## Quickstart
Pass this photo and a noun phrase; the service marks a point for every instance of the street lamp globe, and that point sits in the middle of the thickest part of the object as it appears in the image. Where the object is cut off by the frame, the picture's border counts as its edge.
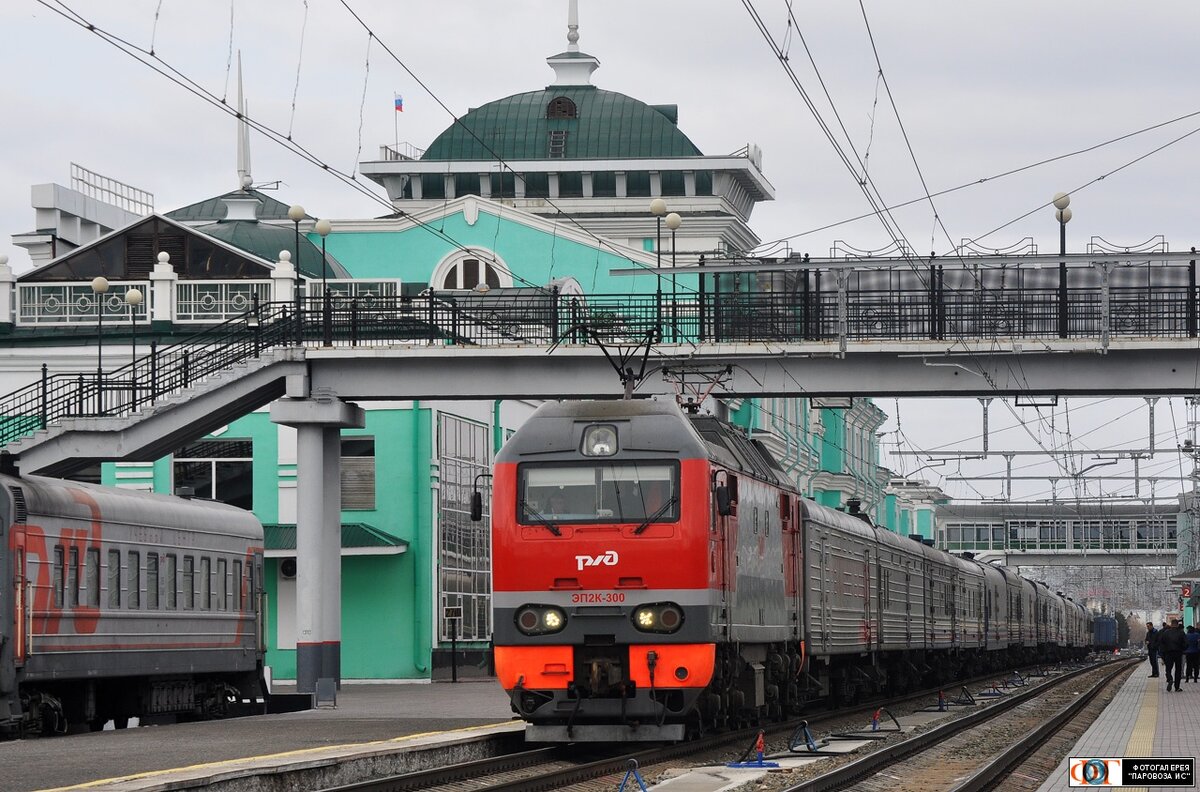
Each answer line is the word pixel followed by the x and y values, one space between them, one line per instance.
pixel 1061 200
pixel 658 207
pixel 323 227
pixel 296 213
pixel 133 297
pixel 673 221
pixel 100 284
pixel 1063 216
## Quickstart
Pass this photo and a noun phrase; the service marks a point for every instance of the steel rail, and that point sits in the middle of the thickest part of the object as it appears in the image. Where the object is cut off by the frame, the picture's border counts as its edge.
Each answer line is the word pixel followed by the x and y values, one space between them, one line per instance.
pixel 873 763
pixel 591 770
pixel 1000 767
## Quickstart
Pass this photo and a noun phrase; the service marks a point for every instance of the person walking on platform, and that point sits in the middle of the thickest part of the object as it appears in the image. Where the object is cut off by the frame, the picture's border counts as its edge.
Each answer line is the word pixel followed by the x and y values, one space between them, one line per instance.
pixel 1152 648
pixel 1191 656
pixel 1171 644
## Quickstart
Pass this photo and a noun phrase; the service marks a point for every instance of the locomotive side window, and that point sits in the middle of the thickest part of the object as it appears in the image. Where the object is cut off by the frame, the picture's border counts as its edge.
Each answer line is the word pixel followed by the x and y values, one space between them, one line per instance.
pixel 93 577
pixel 58 576
pixel 114 578
pixel 189 582
pixel 135 580
pixel 222 584
pixel 73 576
pixel 205 583
pixel 606 492
pixel 152 581
pixel 237 585
pixel 169 579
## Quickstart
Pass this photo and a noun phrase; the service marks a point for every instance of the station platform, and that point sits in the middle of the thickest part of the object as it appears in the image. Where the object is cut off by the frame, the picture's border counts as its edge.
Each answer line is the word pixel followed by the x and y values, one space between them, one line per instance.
pixel 1143 719
pixel 384 722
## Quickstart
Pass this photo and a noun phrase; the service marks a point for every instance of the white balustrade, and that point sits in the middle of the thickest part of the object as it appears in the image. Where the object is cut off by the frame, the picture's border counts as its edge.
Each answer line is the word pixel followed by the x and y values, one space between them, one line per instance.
pixel 68 303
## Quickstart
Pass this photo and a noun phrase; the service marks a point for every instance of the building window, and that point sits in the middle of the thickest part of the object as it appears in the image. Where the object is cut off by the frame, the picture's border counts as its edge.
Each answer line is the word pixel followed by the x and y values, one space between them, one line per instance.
pixel 460 272
pixel 358 472
pixel 464 547
pixel 558 143
pixel 561 107
pixel 218 469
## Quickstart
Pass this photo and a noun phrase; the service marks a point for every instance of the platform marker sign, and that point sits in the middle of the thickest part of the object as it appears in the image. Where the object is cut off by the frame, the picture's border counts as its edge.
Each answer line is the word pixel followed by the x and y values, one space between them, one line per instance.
pixel 1087 771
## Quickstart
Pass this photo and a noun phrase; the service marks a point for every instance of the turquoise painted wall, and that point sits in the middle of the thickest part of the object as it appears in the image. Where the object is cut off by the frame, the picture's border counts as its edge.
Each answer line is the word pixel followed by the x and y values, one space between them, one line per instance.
pixel 833 442
pixel 537 256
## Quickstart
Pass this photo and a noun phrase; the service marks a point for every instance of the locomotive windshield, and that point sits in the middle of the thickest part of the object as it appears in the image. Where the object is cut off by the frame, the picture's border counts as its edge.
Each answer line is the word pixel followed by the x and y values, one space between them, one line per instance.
pixel 602 493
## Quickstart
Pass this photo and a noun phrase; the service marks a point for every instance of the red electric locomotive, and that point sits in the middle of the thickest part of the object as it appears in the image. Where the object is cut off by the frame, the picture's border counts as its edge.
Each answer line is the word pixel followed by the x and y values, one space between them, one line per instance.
pixel 655 574
pixel 636 549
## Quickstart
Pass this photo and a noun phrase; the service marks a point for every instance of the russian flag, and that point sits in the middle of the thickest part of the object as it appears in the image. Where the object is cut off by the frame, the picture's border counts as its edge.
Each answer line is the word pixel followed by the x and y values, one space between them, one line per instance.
pixel 399 103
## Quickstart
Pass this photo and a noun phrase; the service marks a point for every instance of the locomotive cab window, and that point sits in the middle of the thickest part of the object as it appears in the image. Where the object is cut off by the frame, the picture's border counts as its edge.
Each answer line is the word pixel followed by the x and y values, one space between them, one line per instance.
pixel 602 493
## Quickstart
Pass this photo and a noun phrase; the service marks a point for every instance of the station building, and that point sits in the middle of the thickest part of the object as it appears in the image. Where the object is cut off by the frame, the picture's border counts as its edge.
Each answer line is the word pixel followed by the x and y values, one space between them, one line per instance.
pixel 557 198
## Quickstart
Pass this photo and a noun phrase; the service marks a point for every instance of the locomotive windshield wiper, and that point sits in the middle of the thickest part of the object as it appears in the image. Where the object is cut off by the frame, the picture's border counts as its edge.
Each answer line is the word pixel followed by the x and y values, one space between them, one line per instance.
pixel 666 507
pixel 540 519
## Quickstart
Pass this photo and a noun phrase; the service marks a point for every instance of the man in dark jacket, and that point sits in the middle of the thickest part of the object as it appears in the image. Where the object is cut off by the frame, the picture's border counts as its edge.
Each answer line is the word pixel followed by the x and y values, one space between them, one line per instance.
pixel 1191 656
pixel 1171 644
pixel 1152 648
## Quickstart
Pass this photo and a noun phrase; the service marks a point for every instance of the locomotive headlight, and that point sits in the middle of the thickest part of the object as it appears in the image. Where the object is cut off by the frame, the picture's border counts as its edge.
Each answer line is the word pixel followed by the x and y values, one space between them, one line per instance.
pixel 662 617
pixel 599 440
pixel 540 619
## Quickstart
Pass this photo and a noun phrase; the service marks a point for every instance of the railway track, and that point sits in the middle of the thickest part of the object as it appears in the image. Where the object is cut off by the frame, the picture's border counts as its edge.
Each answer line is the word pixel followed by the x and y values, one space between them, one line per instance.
pixel 571 766
pixel 947 757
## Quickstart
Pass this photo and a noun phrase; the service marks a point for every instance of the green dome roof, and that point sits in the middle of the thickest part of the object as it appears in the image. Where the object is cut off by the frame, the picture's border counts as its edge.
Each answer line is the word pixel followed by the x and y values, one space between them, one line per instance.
pixel 607 125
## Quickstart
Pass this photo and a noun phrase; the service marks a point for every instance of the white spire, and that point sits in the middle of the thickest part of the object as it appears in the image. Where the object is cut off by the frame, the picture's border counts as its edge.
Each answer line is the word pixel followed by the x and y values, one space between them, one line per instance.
pixel 243 137
pixel 573 67
pixel 573 26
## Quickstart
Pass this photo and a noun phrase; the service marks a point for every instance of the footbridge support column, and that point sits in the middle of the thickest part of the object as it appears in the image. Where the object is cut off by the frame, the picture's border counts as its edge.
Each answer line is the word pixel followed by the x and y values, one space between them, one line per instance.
pixel 318 421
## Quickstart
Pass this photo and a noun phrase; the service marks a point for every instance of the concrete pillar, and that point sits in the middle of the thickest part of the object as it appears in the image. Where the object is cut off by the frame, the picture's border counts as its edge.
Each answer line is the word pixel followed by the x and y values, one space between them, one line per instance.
pixel 318 421
pixel 283 279
pixel 164 281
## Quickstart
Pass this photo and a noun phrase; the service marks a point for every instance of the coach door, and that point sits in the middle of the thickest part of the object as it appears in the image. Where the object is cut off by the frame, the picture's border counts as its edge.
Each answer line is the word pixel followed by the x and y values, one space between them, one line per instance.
pixel 21 591
pixel 793 559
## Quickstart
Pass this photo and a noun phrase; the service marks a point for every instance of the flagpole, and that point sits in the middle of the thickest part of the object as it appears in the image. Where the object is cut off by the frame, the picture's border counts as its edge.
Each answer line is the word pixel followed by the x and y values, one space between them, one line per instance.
pixel 396 123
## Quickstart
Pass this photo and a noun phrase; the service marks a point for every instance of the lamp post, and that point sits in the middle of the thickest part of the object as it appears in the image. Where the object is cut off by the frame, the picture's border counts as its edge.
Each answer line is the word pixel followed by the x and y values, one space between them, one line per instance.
pixel 323 227
pixel 133 298
pixel 658 208
pixel 296 213
pixel 99 289
pixel 1063 215
pixel 673 221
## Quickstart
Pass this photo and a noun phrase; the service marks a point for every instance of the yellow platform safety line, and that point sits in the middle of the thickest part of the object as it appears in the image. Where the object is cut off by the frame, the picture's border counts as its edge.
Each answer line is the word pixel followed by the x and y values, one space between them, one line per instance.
pixel 1141 741
pixel 266 757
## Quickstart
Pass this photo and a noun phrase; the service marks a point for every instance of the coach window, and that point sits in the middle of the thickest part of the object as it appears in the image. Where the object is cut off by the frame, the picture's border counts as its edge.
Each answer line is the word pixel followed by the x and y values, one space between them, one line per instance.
pixel 219 469
pixel 93 577
pixel 58 576
pixel 169 579
pixel 152 581
pixel 189 582
pixel 114 578
pixel 73 576
pixel 237 585
pixel 205 583
pixel 135 580
pixel 222 584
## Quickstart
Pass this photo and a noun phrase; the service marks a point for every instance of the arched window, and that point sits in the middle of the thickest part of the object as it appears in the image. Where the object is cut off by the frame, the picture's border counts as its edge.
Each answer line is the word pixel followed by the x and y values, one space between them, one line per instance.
pixel 561 107
pixel 469 271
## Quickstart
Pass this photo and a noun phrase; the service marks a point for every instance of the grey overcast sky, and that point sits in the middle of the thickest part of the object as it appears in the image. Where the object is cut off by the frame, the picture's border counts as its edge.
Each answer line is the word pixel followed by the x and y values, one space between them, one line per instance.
pixel 982 88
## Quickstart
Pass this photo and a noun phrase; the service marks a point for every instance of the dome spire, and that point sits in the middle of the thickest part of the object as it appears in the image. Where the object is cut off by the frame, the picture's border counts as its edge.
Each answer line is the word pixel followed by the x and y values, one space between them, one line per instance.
pixel 573 26
pixel 573 67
